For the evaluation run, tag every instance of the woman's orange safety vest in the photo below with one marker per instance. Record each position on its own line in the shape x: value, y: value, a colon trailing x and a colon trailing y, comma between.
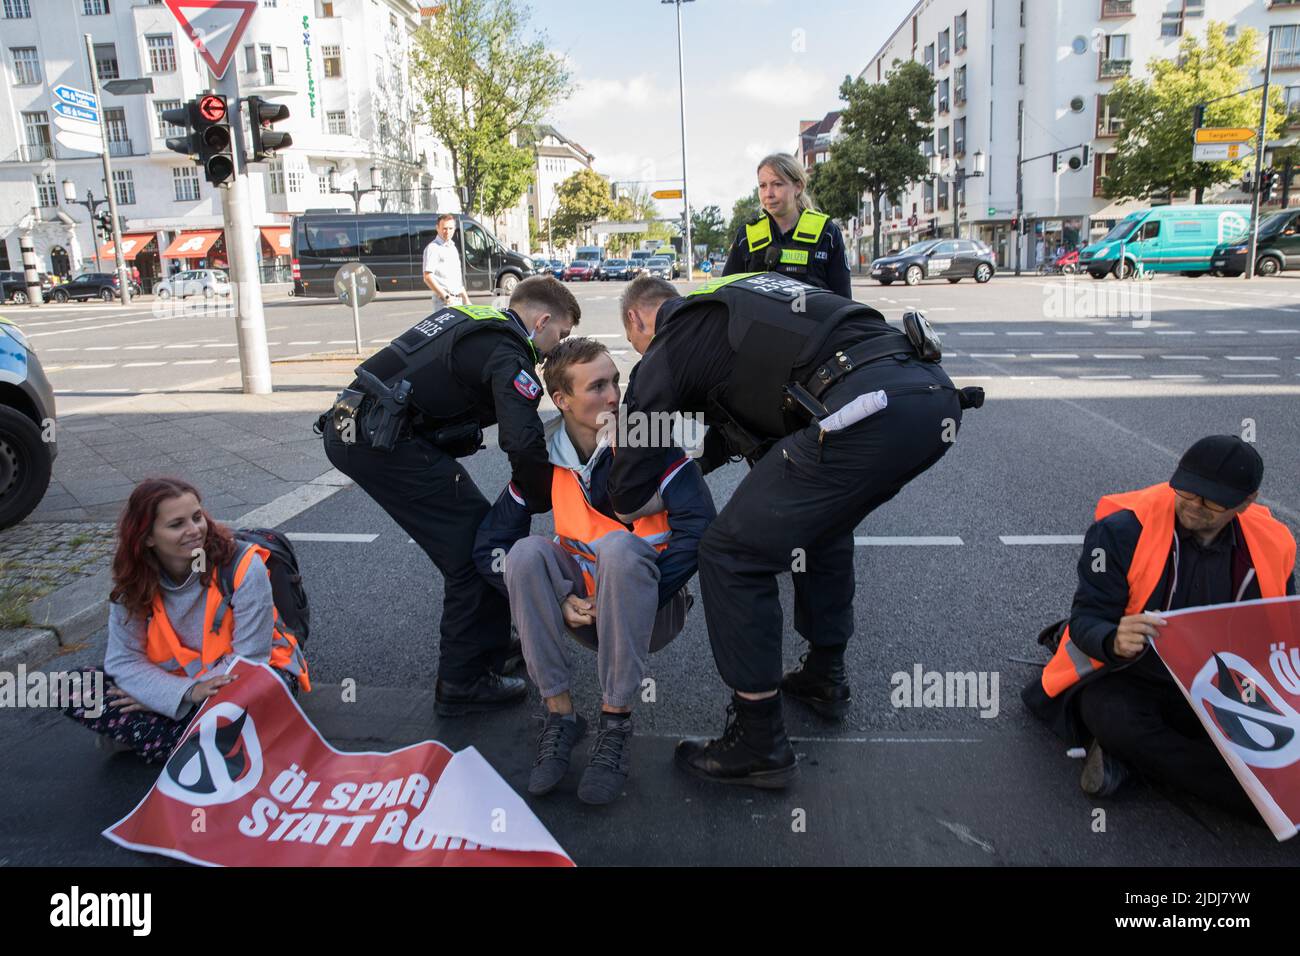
x: 579, y: 526
x: 1272, y: 551
x: 164, y: 648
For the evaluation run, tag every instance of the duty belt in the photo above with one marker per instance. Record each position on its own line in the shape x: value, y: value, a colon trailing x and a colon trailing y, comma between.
x: 855, y: 356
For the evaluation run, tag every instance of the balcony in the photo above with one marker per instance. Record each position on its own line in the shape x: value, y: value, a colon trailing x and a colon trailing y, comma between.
x: 120, y: 147
x: 32, y: 153
x: 1111, y: 9
x: 1109, y: 69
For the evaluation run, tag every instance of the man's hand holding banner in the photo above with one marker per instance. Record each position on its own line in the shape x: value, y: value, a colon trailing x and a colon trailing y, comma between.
x: 253, y: 783
x: 1238, y: 665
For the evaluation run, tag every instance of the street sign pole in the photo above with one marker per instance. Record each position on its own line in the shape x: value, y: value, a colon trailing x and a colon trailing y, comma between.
x: 681, y: 93
x: 1259, y: 159
x: 123, y: 280
x: 356, y: 309
x: 254, y: 357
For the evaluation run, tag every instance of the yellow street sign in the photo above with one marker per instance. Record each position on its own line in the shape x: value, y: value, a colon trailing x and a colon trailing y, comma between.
x: 1222, y: 134
x: 667, y: 194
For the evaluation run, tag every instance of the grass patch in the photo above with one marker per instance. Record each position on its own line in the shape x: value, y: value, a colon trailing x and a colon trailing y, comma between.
x: 14, y: 599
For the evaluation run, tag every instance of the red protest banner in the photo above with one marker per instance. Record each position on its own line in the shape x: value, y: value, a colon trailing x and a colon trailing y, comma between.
x: 1238, y: 665
x: 253, y: 783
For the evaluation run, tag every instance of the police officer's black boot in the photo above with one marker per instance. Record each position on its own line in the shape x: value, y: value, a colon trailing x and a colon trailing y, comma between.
x: 490, y: 692
x: 753, y: 750
x: 820, y: 682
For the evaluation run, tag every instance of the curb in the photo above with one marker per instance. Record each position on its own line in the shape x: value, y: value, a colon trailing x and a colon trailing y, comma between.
x: 27, y: 646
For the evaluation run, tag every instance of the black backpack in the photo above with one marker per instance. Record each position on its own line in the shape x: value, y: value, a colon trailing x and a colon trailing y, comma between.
x: 286, y: 582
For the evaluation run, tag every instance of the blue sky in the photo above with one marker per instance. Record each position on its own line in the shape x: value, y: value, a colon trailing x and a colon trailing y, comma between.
x: 754, y: 68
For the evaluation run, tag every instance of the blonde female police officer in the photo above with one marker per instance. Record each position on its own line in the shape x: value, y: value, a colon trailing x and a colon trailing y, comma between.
x: 790, y: 237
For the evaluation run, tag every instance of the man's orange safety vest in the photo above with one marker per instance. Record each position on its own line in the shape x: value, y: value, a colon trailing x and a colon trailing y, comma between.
x: 579, y: 526
x: 1272, y: 552
x: 164, y: 647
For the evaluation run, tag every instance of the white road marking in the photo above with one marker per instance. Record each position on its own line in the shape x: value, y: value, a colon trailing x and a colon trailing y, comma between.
x: 1041, y: 538
x: 142, y: 364
x: 1052, y: 355
x: 325, y: 536
x: 1098, y: 378
x: 1074, y: 333
x: 1255, y: 375
x: 183, y: 345
x: 881, y: 541
x: 1174, y: 333
x: 1033, y: 378
x: 1186, y: 358
x: 101, y: 348
x: 313, y: 342
x: 81, y: 367
x: 223, y: 345
x: 141, y: 348
x: 1224, y: 332
x: 197, y: 362
x: 977, y: 333
x: 1251, y: 358
x: 1276, y: 331
x: 996, y: 355
x: 1024, y: 333
x: 1122, y: 356
x: 1176, y: 376
x: 1126, y: 332
x: 295, y: 502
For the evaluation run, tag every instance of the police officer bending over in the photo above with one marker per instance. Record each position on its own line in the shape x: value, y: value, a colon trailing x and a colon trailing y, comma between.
x: 415, y: 407
x: 788, y: 374
x: 790, y: 237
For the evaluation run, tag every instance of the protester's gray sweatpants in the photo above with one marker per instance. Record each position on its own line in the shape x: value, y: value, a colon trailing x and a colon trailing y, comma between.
x: 540, y: 575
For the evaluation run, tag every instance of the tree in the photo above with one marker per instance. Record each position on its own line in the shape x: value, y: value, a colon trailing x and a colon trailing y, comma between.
x: 1154, y: 151
x: 834, y: 187
x: 582, y: 198
x: 485, y: 84
x: 882, y: 128
x: 709, y: 229
x: 746, y: 209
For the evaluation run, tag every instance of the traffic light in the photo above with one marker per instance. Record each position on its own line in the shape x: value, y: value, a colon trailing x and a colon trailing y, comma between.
x: 265, y: 142
x: 1266, y: 184
x: 104, y: 225
x: 1055, y: 161
x: 215, y: 141
x: 184, y: 117
x: 1198, y: 116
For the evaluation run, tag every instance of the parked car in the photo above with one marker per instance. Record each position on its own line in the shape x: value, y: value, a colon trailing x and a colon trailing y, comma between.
x: 951, y: 259
x: 205, y: 282
x: 579, y: 270
x: 557, y: 268
x: 27, y: 432
x: 615, y: 269
x: 90, y: 285
x: 1165, y: 239
x: 13, y: 286
x: 660, y: 266
x: 1277, y: 247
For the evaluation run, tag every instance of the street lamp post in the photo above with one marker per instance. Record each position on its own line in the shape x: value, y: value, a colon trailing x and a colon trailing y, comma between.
x: 356, y: 192
x: 688, y: 252
x: 958, y: 176
x: 91, y: 204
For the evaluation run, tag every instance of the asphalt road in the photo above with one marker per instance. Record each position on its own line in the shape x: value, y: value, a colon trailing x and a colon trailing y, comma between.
x: 958, y: 573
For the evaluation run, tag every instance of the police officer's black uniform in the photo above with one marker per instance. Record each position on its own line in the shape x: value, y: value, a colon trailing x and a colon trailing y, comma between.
x: 468, y: 367
x: 728, y: 350
x: 812, y: 251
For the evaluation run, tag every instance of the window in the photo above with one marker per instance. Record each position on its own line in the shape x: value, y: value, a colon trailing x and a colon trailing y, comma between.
x: 94, y: 8
x: 327, y: 9
x: 959, y: 86
x: 929, y: 58
x: 323, y: 181
x: 282, y: 59
x: 333, y: 59
x: 943, y: 142
x: 106, y: 61
x: 275, y: 177
x: 165, y: 129
x: 185, y: 180
x: 162, y: 54
x: 47, y: 193
x: 1171, y: 24
x: 389, y: 238
x: 943, y: 48
x: 959, y: 136
x: 1108, y: 122
x: 124, y: 187
x: 119, y: 143
x: 27, y: 67
x: 927, y: 195
x: 943, y: 95
x: 331, y: 239
x: 1100, y: 170
x: 1286, y: 47
x: 1020, y: 70
x: 1292, y: 96
x: 1114, y: 57
x: 959, y: 33
x: 36, y: 127
x: 336, y: 121
x: 991, y: 73
x: 1193, y: 8
x: 17, y: 9
x: 1022, y: 12
x: 294, y: 178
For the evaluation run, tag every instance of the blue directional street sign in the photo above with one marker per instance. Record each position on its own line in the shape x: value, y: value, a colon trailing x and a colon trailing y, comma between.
x: 76, y: 112
x: 76, y: 97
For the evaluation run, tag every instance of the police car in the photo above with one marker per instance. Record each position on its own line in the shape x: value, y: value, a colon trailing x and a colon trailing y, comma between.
x: 951, y: 259
x: 27, y: 446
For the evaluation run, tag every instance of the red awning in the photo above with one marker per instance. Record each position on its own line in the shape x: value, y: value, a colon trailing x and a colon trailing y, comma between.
x: 132, y: 245
x: 192, y: 245
x: 277, y: 238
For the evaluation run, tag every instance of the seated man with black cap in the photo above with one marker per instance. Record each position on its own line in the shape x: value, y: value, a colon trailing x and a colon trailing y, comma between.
x: 1197, y: 540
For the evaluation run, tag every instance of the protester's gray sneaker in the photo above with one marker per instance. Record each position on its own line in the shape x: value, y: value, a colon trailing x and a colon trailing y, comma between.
x: 554, y: 747
x: 611, y: 761
x: 1102, y: 774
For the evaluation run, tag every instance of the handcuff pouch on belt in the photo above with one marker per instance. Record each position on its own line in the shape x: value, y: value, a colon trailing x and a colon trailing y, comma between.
x: 460, y: 440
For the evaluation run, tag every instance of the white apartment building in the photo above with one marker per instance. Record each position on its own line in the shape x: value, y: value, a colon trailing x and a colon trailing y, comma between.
x: 558, y: 158
x: 1044, y: 67
x: 340, y: 67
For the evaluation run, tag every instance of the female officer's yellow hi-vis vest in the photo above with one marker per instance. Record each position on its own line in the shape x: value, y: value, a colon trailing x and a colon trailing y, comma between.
x: 789, y: 258
x: 579, y: 527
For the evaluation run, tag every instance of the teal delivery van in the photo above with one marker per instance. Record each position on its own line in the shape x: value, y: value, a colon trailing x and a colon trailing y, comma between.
x: 1165, y: 239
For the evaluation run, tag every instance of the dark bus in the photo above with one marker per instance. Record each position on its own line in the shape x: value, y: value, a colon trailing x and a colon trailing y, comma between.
x: 392, y: 246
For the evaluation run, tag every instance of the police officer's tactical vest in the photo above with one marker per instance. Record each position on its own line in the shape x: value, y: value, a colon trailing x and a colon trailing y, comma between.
x: 779, y: 329
x: 423, y: 356
x: 793, y: 256
x: 163, y: 646
x: 1272, y: 553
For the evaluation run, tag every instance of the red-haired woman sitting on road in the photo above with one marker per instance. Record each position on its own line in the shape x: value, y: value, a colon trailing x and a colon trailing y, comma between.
x: 170, y: 629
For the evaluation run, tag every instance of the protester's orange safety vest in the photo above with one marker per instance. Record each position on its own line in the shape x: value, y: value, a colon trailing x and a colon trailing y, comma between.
x: 579, y: 526
x: 164, y: 647
x: 1272, y: 552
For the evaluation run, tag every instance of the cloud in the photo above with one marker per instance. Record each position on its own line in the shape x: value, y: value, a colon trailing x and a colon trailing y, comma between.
x: 787, y: 85
x: 594, y: 96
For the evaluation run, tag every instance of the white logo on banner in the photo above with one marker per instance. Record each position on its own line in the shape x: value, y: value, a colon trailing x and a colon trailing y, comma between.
x: 219, y: 763
x: 1263, y: 729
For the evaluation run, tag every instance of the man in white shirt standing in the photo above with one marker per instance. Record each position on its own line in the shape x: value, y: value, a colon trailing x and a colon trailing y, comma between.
x: 442, y: 266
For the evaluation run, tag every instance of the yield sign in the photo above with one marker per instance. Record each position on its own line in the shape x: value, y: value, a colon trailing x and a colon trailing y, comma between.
x: 214, y: 27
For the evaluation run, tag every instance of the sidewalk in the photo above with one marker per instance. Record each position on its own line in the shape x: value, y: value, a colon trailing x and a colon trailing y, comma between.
x: 255, y: 458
